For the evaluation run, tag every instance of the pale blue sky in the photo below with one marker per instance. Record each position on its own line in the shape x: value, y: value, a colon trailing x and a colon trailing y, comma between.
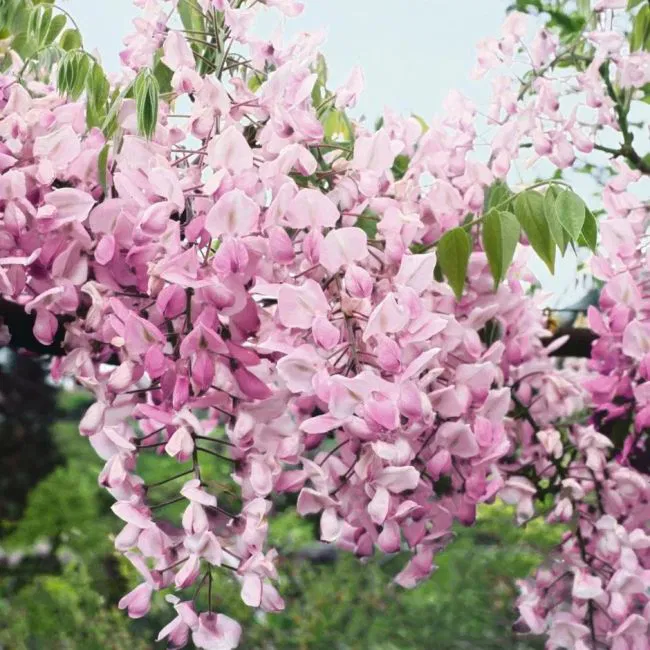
x: 412, y: 52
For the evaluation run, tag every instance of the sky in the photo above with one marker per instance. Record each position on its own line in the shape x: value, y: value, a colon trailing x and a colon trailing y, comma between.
x: 412, y: 53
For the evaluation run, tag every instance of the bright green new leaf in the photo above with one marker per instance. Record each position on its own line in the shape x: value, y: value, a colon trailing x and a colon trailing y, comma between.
x: 570, y: 210
x: 529, y: 210
x: 500, y: 235
x: 557, y: 232
x: 453, y: 251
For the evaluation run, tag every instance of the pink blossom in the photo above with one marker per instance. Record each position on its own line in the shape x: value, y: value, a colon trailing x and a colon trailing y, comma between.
x: 216, y: 632
x: 233, y: 214
x: 177, y: 52
x: 138, y: 601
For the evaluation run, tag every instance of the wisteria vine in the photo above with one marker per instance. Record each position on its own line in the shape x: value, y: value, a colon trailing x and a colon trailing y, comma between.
x: 336, y: 311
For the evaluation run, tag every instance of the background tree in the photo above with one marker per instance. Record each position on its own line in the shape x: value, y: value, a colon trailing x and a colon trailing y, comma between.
x: 27, y: 410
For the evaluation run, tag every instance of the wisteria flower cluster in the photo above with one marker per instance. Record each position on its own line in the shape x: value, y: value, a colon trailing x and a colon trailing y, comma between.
x: 332, y: 311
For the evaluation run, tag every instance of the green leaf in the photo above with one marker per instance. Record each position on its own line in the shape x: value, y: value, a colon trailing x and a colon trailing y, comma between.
x: 633, y: 3
x: 193, y: 20
x: 69, y: 70
x: 255, y: 82
x: 17, y: 16
x: 500, y: 233
x: 33, y: 22
x: 570, y: 209
x: 497, y: 196
x: 557, y: 232
x: 22, y: 44
x: 163, y: 76
x: 73, y: 72
x: 640, y: 36
x: 453, y: 250
x: 400, y: 166
x: 368, y: 223
x: 99, y: 85
x: 468, y: 221
x: 55, y: 28
x: 40, y: 24
x: 589, y: 235
x: 570, y: 25
x: 98, y: 90
x: 47, y: 57
x: 102, y: 171
x: 70, y: 40
x: 191, y: 15
x: 337, y: 127
x: 584, y: 7
x: 96, y: 84
x: 61, y: 79
x: 110, y: 124
x: 146, y: 93
x: 529, y: 210
x: 81, y: 67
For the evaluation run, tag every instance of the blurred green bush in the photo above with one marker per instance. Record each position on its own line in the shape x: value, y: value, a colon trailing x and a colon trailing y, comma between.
x: 62, y: 594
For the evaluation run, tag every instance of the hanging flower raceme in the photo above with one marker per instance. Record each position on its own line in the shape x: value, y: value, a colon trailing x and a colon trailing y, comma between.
x: 259, y: 283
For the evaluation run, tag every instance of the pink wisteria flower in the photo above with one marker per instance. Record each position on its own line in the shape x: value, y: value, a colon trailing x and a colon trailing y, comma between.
x: 261, y: 282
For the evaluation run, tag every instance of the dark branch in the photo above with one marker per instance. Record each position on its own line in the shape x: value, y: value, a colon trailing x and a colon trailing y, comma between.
x: 578, y: 344
x: 21, y: 328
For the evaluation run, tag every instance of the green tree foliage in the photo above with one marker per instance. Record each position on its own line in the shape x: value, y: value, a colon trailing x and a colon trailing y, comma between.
x: 64, y: 597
